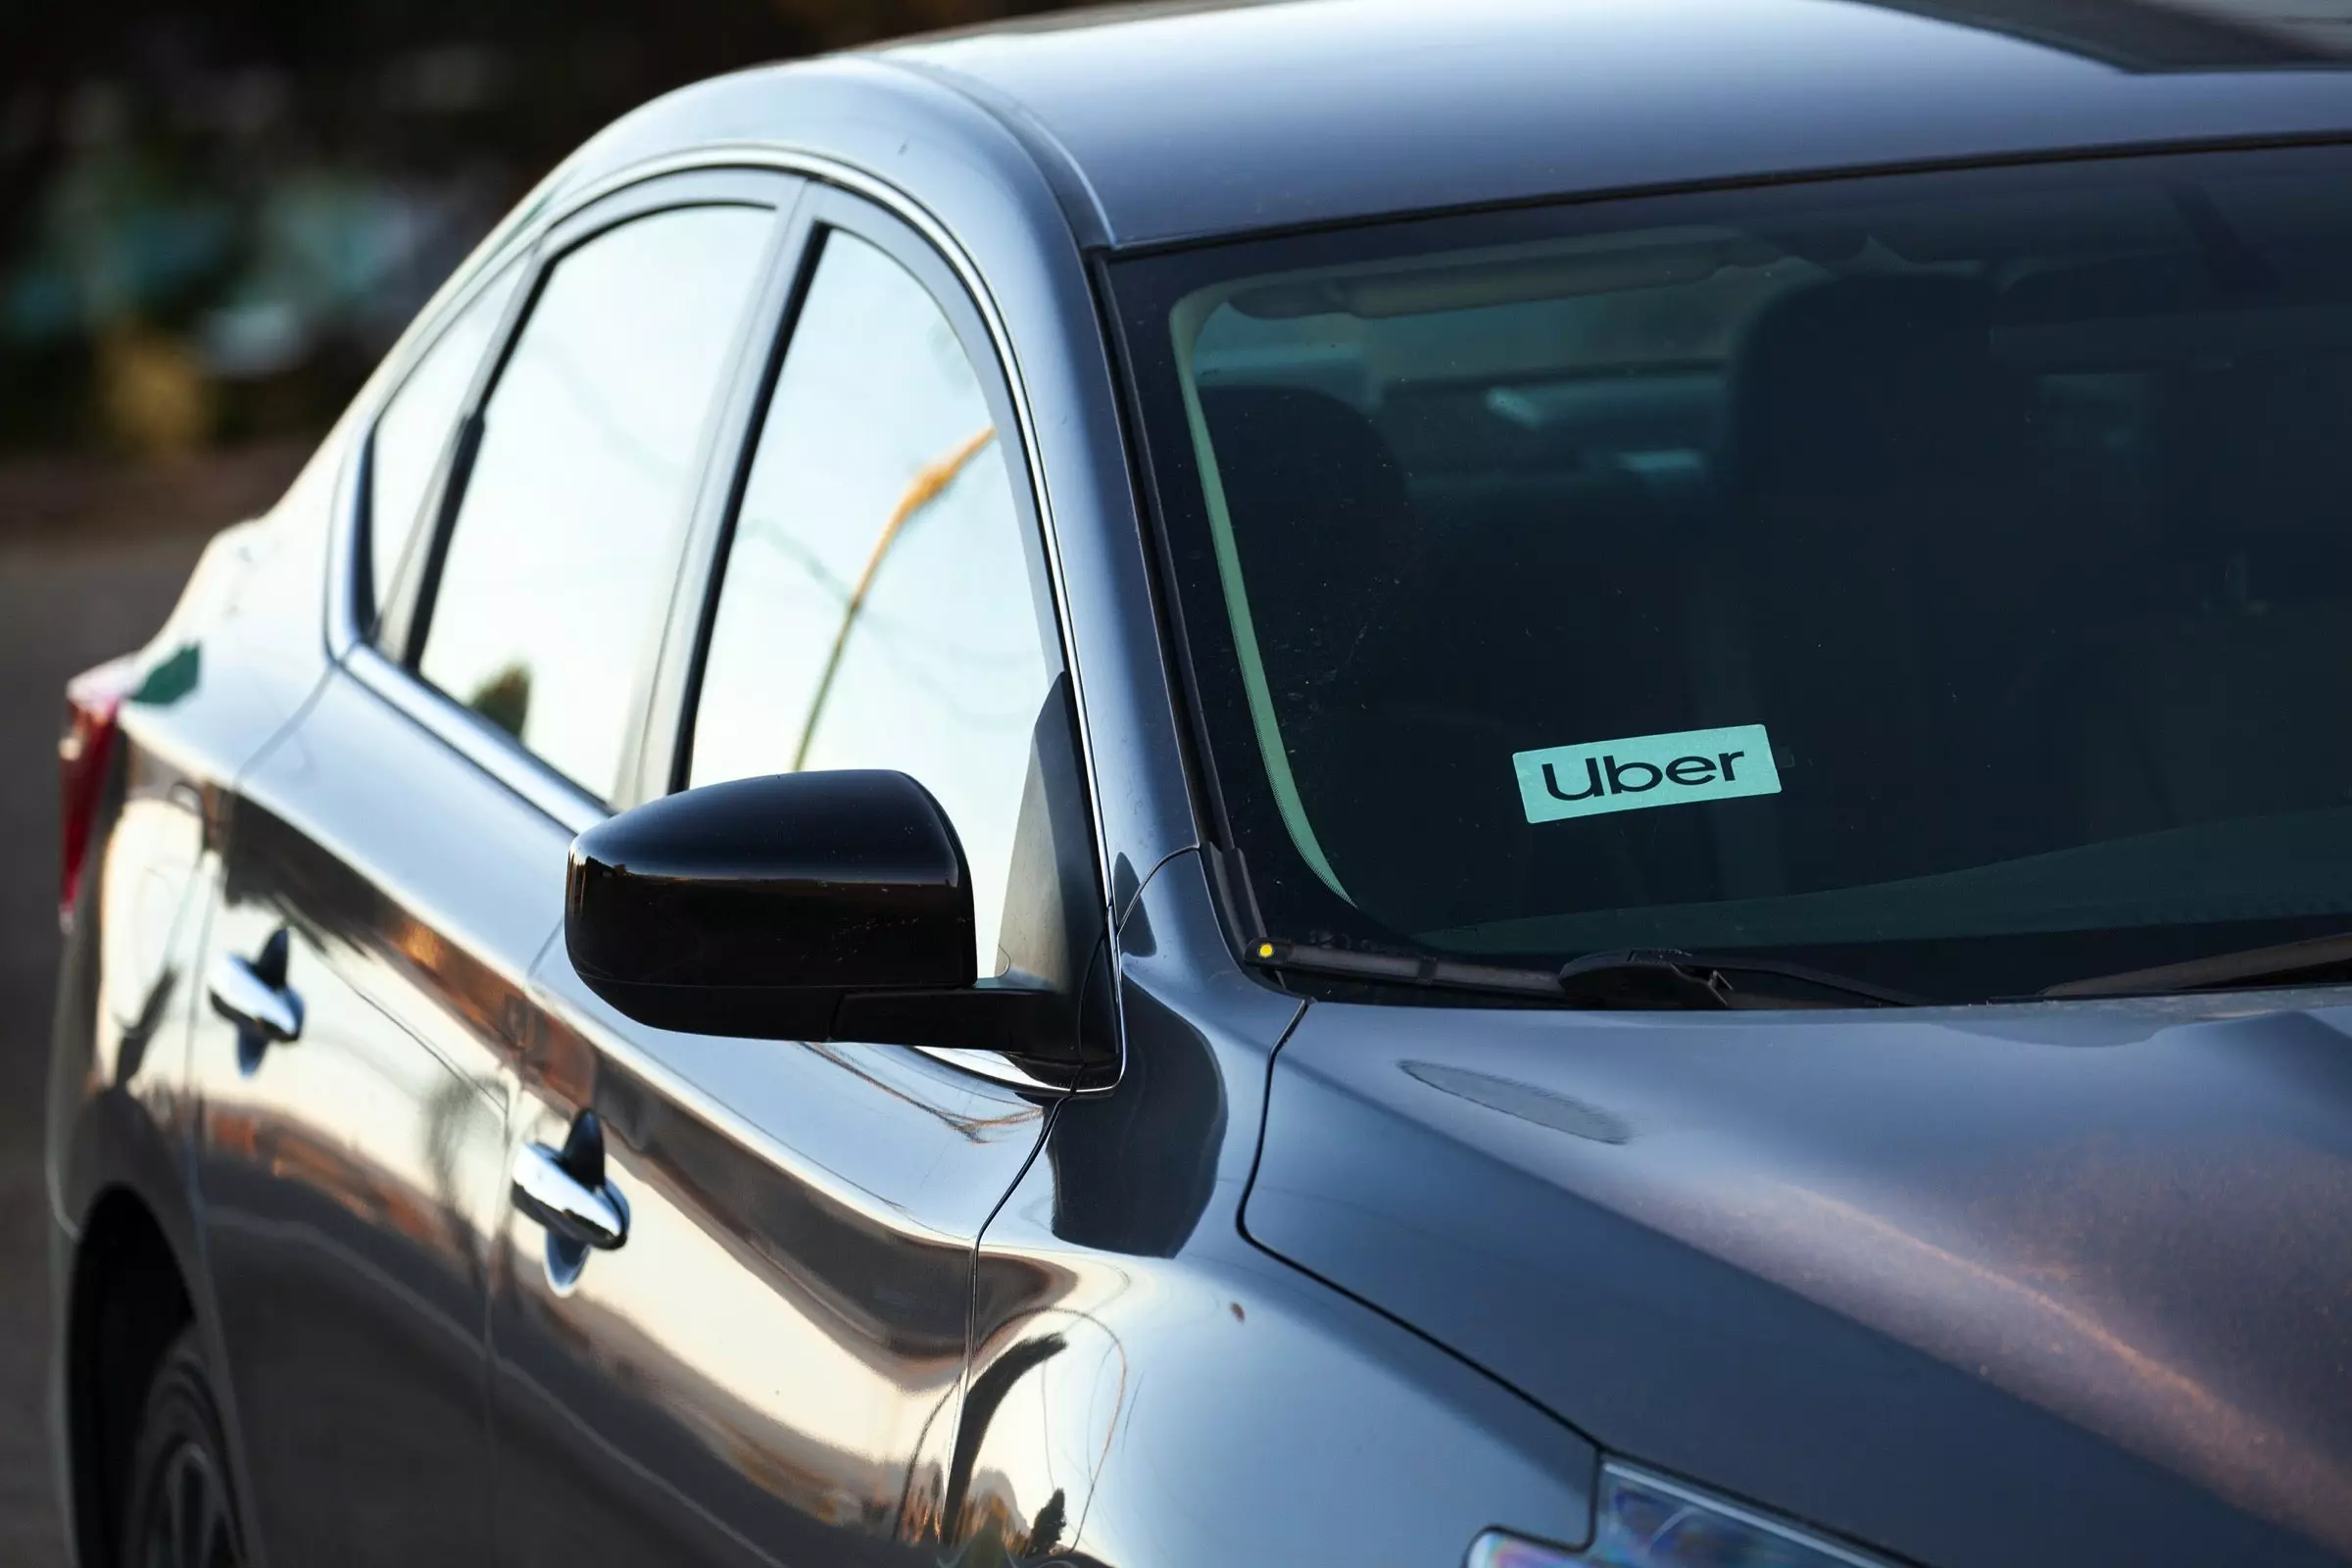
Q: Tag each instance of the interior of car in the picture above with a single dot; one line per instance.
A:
(2019, 533)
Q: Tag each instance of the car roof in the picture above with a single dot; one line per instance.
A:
(1169, 123)
(1185, 120)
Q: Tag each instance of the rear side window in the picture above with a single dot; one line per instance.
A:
(878, 608)
(414, 428)
(564, 547)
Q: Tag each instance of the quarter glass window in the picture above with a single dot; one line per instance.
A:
(415, 429)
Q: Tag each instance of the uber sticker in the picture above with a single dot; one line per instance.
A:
(1678, 769)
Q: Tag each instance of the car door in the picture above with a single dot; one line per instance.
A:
(767, 1367)
(394, 862)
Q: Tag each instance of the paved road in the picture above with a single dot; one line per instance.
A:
(71, 595)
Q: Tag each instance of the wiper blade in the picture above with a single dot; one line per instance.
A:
(1630, 977)
(1403, 969)
(2309, 962)
(1669, 977)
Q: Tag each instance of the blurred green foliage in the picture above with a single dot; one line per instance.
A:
(215, 213)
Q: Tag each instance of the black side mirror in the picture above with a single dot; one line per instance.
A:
(804, 906)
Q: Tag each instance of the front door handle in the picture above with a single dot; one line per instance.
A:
(559, 1189)
(253, 995)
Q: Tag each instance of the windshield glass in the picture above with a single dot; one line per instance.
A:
(1943, 578)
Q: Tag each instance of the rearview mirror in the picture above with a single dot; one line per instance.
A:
(804, 906)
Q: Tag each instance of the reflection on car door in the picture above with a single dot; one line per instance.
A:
(394, 865)
(350, 1174)
(767, 1368)
(349, 1110)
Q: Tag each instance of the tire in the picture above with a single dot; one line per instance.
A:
(181, 1513)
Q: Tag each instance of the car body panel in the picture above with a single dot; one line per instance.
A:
(768, 1369)
(1189, 122)
(139, 936)
(1149, 1389)
(116, 1131)
(351, 1179)
(2094, 1256)
(239, 654)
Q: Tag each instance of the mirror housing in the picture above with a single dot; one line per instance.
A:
(811, 906)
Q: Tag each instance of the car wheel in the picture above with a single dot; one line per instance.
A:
(181, 1515)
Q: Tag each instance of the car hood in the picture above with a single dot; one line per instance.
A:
(2060, 1283)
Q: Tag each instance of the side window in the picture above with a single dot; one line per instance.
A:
(876, 608)
(415, 425)
(560, 563)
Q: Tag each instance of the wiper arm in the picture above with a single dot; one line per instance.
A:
(1632, 977)
(2308, 963)
(1669, 977)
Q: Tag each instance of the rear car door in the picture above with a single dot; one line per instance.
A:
(394, 860)
(767, 1367)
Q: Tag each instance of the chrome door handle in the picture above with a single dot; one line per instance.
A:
(252, 993)
(571, 1209)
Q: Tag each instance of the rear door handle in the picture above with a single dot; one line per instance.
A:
(565, 1189)
(252, 993)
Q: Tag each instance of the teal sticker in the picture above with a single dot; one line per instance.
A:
(1643, 770)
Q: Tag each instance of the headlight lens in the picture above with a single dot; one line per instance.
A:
(1644, 1522)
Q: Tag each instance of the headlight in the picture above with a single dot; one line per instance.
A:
(1644, 1522)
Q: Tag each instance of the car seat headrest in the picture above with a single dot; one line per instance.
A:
(1321, 520)
(1869, 386)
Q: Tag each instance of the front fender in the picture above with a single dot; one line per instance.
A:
(1151, 1389)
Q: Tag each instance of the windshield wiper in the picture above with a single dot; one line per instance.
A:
(1402, 969)
(2315, 961)
(1669, 977)
(1629, 977)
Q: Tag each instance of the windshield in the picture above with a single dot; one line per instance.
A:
(1944, 578)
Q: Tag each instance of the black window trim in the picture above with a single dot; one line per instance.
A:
(363, 604)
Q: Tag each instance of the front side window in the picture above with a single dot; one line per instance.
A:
(1943, 579)
(876, 609)
(562, 559)
(415, 429)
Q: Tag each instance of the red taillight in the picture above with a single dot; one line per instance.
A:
(93, 699)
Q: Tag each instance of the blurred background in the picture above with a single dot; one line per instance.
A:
(214, 216)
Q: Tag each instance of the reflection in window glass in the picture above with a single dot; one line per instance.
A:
(565, 546)
(876, 610)
(415, 425)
